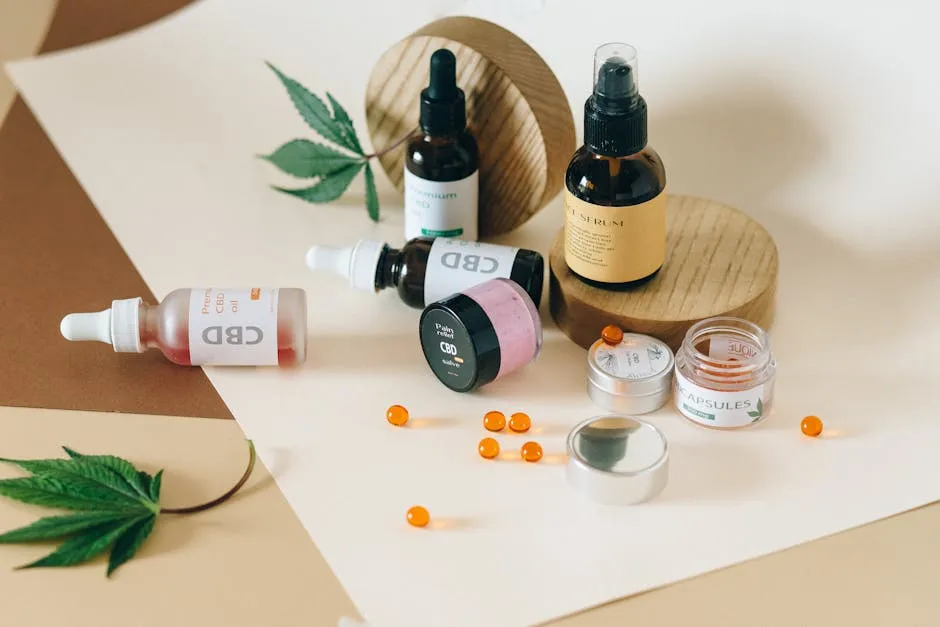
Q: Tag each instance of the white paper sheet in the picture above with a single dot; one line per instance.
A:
(796, 114)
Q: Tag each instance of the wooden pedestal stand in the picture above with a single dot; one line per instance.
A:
(719, 262)
(516, 109)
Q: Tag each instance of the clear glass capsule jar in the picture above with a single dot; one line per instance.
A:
(724, 374)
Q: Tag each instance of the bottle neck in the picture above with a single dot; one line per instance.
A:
(148, 324)
(389, 269)
(442, 118)
(448, 137)
(617, 135)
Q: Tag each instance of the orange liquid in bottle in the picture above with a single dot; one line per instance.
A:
(166, 327)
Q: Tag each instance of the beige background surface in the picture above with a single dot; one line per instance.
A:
(250, 562)
(22, 27)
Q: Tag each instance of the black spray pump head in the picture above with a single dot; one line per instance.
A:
(615, 91)
(615, 114)
(443, 109)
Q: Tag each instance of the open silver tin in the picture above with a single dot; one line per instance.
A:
(617, 460)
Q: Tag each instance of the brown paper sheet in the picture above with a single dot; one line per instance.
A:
(57, 256)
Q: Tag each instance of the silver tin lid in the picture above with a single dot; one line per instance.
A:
(617, 460)
(632, 377)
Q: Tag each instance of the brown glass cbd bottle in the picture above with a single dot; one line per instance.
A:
(442, 163)
(615, 199)
(427, 269)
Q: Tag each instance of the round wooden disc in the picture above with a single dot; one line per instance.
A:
(719, 262)
(516, 110)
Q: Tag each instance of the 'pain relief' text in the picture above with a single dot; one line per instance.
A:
(443, 330)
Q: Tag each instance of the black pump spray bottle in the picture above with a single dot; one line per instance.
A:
(615, 200)
(441, 164)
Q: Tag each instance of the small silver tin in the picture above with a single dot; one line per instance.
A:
(617, 460)
(632, 377)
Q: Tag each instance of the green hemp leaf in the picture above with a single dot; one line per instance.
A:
(333, 169)
(116, 506)
(756, 415)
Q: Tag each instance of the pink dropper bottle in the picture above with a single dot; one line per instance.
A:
(204, 326)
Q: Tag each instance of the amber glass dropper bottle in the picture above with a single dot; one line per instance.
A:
(615, 200)
(427, 269)
(442, 161)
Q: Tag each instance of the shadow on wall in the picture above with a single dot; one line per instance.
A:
(740, 141)
(744, 142)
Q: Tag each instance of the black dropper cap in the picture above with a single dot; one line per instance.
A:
(443, 107)
(615, 114)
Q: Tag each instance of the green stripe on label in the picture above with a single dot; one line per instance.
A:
(450, 233)
(698, 413)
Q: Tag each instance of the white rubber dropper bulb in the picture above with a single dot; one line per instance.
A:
(80, 327)
(118, 326)
(337, 260)
(358, 264)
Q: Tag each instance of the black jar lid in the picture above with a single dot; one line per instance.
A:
(459, 343)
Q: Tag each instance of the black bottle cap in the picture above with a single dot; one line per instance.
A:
(443, 106)
(528, 270)
(615, 114)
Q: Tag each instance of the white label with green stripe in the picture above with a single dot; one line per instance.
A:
(441, 209)
(715, 408)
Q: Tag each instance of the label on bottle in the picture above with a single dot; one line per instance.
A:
(441, 209)
(633, 359)
(233, 327)
(455, 265)
(717, 408)
(615, 244)
(731, 348)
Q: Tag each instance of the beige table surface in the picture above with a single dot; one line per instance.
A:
(250, 562)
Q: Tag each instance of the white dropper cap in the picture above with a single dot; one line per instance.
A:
(357, 263)
(118, 326)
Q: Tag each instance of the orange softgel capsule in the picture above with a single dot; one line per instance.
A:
(519, 422)
(531, 451)
(489, 448)
(612, 334)
(397, 415)
(494, 421)
(811, 426)
(418, 516)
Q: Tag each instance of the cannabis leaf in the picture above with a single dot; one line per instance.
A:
(334, 170)
(372, 197)
(329, 188)
(304, 159)
(757, 414)
(117, 506)
(314, 111)
(345, 124)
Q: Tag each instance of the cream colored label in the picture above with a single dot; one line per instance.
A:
(615, 244)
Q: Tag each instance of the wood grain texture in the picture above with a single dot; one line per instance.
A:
(719, 262)
(516, 109)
